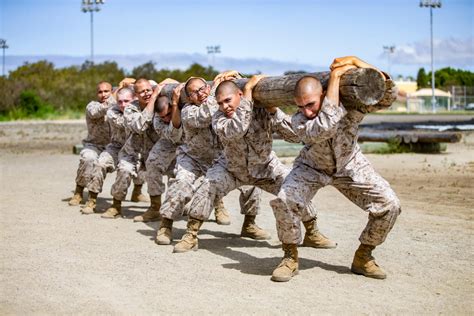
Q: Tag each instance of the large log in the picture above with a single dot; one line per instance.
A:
(363, 89)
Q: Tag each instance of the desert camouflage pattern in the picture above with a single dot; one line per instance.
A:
(143, 136)
(109, 158)
(199, 149)
(162, 157)
(98, 136)
(136, 149)
(247, 157)
(98, 129)
(199, 140)
(87, 160)
(331, 156)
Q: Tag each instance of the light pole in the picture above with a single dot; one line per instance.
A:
(432, 4)
(389, 50)
(213, 50)
(92, 6)
(3, 46)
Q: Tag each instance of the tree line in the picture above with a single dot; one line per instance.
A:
(445, 78)
(39, 90)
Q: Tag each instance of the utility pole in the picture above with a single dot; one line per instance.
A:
(3, 46)
(432, 4)
(92, 6)
(389, 50)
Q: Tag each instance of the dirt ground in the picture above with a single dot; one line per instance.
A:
(55, 260)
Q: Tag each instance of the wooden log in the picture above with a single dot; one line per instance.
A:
(360, 88)
(409, 136)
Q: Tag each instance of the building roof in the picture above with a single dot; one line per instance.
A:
(426, 92)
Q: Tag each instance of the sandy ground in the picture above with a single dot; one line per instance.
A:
(55, 260)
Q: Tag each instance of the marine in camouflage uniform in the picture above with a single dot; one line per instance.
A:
(145, 135)
(332, 156)
(247, 159)
(136, 149)
(109, 159)
(98, 136)
(199, 149)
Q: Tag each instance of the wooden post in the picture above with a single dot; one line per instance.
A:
(360, 88)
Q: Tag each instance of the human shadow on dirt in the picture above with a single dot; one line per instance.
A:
(249, 264)
(101, 203)
(224, 242)
(222, 239)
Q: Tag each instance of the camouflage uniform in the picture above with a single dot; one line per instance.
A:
(109, 158)
(135, 150)
(162, 157)
(332, 156)
(195, 156)
(98, 136)
(247, 157)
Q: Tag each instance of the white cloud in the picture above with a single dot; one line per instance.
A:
(454, 52)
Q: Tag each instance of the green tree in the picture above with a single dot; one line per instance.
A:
(147, 70)
(422, 79)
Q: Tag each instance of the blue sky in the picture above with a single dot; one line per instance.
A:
(310, 33)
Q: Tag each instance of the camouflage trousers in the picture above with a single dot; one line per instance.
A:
(161, 161)
(188, 176)
(87, 160)
(358, 181)
(129, 167)
(219, 181)
(107, 163)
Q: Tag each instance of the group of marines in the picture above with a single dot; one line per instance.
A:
(220, 141)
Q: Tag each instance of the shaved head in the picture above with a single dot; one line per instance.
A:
(191, 81)
(104, 84)
(228, 97)
(307, 85)
(103, 91)
(125, 91)
(162, 104)
(141, 81)
(227, 87)
(308, 95)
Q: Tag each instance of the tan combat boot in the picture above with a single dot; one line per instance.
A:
(114, 211)
(288, 266)
(365, 264)
(313, 238)
(251, 230)
(164, 234)
(91, 203)
(189, 241)
(222, 216)
(152, 214)
(77, 197)
(137, 195)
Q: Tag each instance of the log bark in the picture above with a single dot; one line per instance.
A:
(363, 89)
(409, 136)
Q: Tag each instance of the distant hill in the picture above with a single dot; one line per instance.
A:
(171, 60)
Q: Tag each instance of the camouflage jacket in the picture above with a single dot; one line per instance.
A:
(98, 129)
(142, 134)
(199, 140)
(330, 138)
(247, 139)
(118, 128)
(167, 130)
